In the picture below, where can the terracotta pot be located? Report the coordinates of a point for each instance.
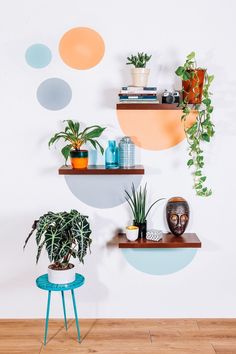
(140, 76)
(79, 159)
(192, 89)
(61, 276)
(142, 228)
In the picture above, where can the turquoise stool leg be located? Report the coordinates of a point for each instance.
(47, 316)
(76, 316)
(64, 308)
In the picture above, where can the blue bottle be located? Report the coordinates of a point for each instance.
(111, 155)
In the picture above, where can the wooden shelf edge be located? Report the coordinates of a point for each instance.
(101, 170)
(169, 241)
(147, 106)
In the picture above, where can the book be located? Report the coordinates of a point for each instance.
(138, 88)
(137, 97)
(140, 101)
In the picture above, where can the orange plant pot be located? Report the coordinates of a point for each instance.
(79, 159)
(192, 89)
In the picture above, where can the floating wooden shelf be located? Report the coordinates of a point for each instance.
(151, 106)
(101, 170)
(188, 240)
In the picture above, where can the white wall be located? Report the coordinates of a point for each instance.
(30, 185)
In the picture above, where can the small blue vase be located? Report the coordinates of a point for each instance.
(111, 155)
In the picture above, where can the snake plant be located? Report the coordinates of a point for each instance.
(64, 235)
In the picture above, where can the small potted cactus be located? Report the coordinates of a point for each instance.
(139, 73)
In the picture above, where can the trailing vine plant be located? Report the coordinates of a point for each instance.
(203, 129)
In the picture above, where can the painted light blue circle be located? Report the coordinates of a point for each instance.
(38, 56)
(102, 191)
(159, 261)
(54, 94)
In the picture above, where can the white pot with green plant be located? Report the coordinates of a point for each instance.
(74, 139)
(138, 203)
(64, 235)
(139, 73)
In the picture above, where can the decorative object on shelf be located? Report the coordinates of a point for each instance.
(132, 232)
(132, 94)
(111, 155)
(64, 235)
(138, 204)
(177, 215)
(154, 235)
(196, 83)
(76, 138)
(126, 153)
(139, 73)
(170, 97)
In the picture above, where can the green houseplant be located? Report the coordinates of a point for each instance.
(137, 201)
(74, 139)
(139, 73)
(196, 84)
(64, 235)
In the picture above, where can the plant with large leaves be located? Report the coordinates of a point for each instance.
(203, 129)
(76, 138)
(64, 235)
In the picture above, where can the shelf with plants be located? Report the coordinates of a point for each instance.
(101, 170)
(187, 240)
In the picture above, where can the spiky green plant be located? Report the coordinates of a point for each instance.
(138, 203)
(77, 138)
(139, 61)
(64, 235)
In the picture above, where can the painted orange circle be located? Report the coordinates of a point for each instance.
(81, 48)
(154, 129)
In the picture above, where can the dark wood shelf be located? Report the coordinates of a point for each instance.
(101, 170)
(188, 240)
(151, 106)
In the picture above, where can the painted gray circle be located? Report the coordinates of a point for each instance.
(102, 191)
(54, 94)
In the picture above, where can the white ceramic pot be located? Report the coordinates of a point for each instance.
(62, 276)
(132, 233)
(140, 76)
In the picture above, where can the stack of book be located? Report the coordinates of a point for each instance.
(133, 94)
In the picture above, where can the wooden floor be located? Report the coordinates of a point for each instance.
(119, 336)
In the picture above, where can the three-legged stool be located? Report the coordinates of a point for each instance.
(43, 283)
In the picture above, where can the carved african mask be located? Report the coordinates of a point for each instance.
(177, 215)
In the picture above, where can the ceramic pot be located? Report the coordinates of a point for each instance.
(140, 76)
(132, 233)
(61, 276)
(192, 89)
(79, 159)
(142, 228)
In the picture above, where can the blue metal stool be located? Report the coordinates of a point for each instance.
(43, 283)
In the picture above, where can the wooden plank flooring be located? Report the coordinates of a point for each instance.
(121, 336)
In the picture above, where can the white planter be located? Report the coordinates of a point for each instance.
(140, 76)
(61, 276)
(132, 233)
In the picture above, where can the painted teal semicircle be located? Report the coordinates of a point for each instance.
(159, 261)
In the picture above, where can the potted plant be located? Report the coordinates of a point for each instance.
(64, 235)
(138, 204)
(139, 73)
(75, 139)
(196, 96)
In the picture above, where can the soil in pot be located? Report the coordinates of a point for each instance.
(79, 159)
(192, 89)
(142, 228)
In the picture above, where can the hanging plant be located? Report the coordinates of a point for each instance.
(196, 84)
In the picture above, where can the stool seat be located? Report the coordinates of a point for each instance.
(43, 283)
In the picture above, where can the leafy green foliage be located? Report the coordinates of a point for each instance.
(64, 235)
(139, 61)
(76, 138)
(203, 129)
(137, 203)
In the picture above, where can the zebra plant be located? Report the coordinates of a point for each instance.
(64, 235)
